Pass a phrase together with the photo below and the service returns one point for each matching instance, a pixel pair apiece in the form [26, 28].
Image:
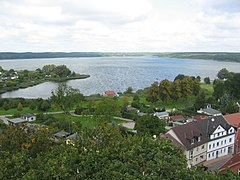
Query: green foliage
[207, 80]
[5, 106]
[223, 74]
[65, 97]
[107, 107]
[149, 124]
[129, 90]
[20, 107]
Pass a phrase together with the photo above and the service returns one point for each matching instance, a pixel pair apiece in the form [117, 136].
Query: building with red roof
[233, 164]
[110, 93]
[233, 119]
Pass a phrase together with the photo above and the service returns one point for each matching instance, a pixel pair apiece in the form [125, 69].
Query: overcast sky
[119, 25]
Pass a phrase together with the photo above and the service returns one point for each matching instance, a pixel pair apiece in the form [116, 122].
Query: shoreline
[34, 83]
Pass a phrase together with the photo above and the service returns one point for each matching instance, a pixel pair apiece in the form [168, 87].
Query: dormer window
[199, 138]
[192, 141]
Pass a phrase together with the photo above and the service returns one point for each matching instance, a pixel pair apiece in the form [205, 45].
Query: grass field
[86, 121]
[25, 110]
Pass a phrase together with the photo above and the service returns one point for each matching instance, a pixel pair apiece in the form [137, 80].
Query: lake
[115, 73]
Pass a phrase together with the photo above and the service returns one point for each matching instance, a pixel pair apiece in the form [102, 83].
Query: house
[162, 115]
[204, 140]
[61, 134]
[29, 117]
[70, 139]
[192, 140]
[233, 164]
[177, 118]
[209, 111]
[233, 119]
[16, 121]
[110, 94]
[130, 108]
[220, 134]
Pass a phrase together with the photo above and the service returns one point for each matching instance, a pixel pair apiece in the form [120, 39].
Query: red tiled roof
[233, 119]
[177, 117]
[235, 160]
[199, 117]
[110, 93]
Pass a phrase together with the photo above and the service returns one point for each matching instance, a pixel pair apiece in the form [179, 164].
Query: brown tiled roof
[173, 141]
[235, 160]
[110, 93]
[190, 131]
[233, 119]
[177, 117]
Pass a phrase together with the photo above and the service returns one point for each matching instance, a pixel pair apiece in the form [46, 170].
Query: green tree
[218, 88]
[5, 106]
[186, 86]
[165, 90]
[207, 80]
[66, 97]
[129, 90]
[176, 91]
[149, 124]
[153, 92]
[62, 71]
[200, 100]
[19, 107]
[107, 107]
[223, 74]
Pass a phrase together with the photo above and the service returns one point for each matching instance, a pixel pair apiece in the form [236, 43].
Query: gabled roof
[235, 160]
[16, 120]
[177, 117]
[188, 132]
[233, 119]
[210, 111]
[209, 125]
[164, 113]
[61, 134]
[28, 115]
[110, 93]
[173, 141]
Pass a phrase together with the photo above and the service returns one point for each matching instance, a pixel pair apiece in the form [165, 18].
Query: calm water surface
[115, 73]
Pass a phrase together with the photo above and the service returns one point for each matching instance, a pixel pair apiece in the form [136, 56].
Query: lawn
[208, 88]
[86, 121]
[25, 110]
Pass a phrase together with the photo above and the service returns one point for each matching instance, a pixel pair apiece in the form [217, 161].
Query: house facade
[205, 140]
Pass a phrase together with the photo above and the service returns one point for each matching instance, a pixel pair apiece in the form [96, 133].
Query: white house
[221, 136]
[162, 115]
[29, 117]
[205, 139]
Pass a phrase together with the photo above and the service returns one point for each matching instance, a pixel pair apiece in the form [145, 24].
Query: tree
[207, 80]
[233, 85]
[153, 92]
[62, 71]
[5, 106]
[200, 100]
[186, 86]
[223, 74]
[19, 107]
[107, 107]
[218, 88]
[165, 90]
[179, 77]
[65, 97]
[149, 124]
[176, 91]
[129, 90]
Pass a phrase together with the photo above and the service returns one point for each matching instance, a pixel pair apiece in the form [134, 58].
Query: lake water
[115, 73]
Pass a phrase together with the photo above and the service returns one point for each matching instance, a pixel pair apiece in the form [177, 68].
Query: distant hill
[220, 56]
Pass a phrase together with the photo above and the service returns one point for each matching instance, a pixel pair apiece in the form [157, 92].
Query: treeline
[181, 87]
[221, 56]
[31, 55]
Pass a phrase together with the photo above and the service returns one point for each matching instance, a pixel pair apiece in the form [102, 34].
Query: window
[225, 141]
[213, 145]
[197, 148]
[230, 131]
[196, 159]
[224, 149]
[221, 142]
[218, 134]
[217, 144]
[239, 171]
[201, 157]
[191, 154]
[202, 146]
[192, 141]
[199, 139]
[209, 155]
[209, 146]
[212, 154]
[230, 139]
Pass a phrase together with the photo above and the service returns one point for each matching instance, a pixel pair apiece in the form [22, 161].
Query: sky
[119, 25]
